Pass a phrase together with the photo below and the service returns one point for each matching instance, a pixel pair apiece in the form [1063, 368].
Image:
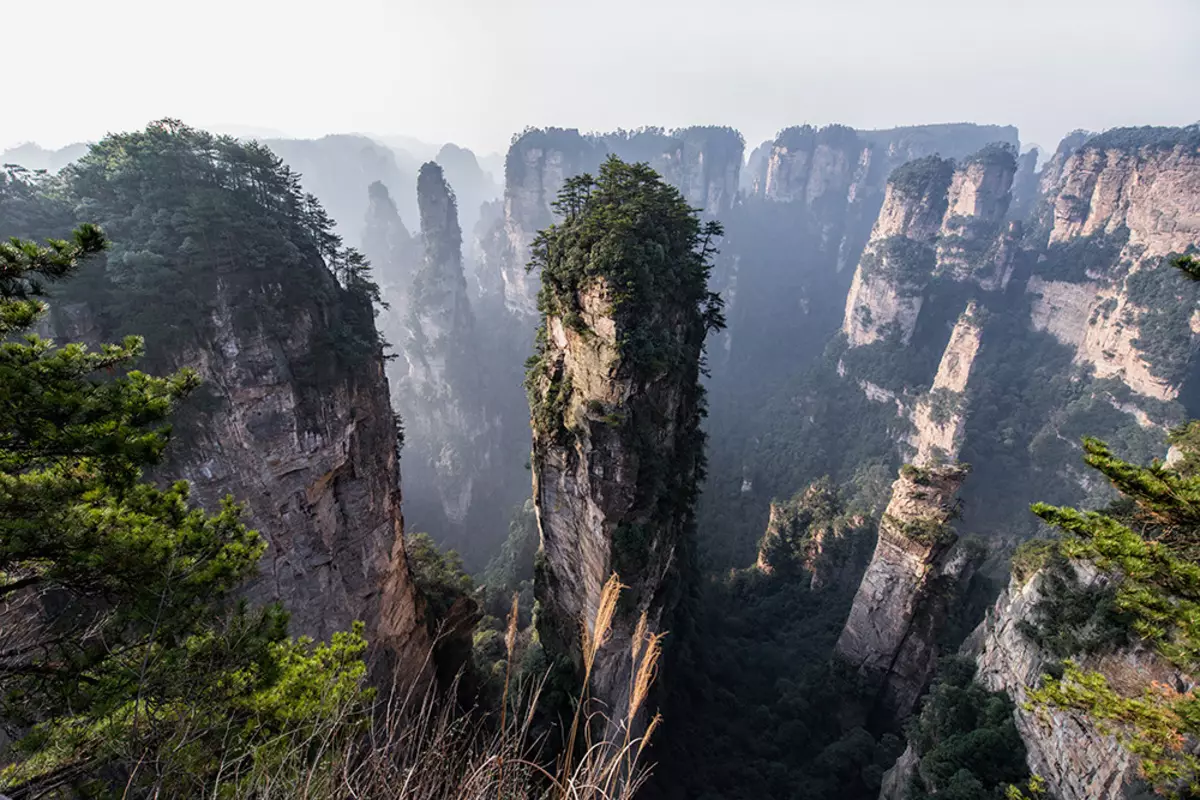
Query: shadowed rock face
[890, 636]
[316, 465]
[594, 491]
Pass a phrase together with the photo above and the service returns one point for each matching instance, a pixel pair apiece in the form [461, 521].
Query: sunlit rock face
[1122, 205]
[886, 294]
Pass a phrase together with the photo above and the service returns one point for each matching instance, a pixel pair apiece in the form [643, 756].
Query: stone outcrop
[537, 166]
[394, 255]
[1025, 186]
[616, 455]
[316, 466]
[1064, 747]
[703, 162]
[897, 781]
[938, 219]
[806, 164]
[939, 418]
[435, 381]
[595, 488]
[886, 294]
[811, 533]
[1124, 202]
[978, 200]
[472, 186]
[891, 634]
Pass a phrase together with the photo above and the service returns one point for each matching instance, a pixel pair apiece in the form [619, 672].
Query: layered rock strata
[890, 636]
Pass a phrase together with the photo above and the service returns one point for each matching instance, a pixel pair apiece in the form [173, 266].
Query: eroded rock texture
[1064, 747]
[887, 292]
[1122, 204]
[891, 633]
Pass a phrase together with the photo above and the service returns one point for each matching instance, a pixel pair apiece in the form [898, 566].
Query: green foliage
[188, 212]
[1072, 617]
[927, 177]
[902, 261]
[923, 530]
[759, 710]
[1170, 296]
[632, 237]
[813, 518]
[122, 655]
[1148, 547]
[966, 739]
[1030, 556]
[438, 575]
[1075, 258]
[1158, 138]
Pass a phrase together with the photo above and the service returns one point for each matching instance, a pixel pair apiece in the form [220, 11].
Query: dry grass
[404, 750]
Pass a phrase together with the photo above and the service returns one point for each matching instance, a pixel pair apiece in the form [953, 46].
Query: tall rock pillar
[616, 406]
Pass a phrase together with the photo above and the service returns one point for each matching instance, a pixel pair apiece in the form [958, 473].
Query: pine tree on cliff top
[122, 661]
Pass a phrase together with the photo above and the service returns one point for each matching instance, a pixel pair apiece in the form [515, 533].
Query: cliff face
[1124, 203]
[891, 633]
[293, 417]
[319, 473]
[594, 489]
[806, 165]
[938, 219]
[810, 534]
[536, 167]
[616, 404]
[939, 418]
[704, 163]
[394, 255]
[1064, 747]
[977, 202]
[886, 294]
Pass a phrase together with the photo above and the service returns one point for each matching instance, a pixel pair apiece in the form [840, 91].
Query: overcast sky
[475, 71]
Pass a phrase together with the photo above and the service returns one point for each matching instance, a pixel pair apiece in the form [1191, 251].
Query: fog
[476, 71]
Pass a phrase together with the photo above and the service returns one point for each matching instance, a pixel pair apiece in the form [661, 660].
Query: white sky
[475, 71]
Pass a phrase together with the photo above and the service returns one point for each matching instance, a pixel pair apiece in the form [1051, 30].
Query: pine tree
[122, 653]
[1148, 542]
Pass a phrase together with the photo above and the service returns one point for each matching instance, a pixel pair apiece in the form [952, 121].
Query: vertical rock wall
[890, 636]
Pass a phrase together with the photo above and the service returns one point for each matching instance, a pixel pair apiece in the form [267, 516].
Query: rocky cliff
[537, 165]
[977, 202]
[1063, 747]
[1122, 204]
[811, 535]
[939, 418]
[891, 634]
[703, 162]
[887, 291]
[939, 219]
[616, 403]
[293, 417]
[318, 470]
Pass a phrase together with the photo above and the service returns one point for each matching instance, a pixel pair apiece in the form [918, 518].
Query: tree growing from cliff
[1149, 544]
[121, 657]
